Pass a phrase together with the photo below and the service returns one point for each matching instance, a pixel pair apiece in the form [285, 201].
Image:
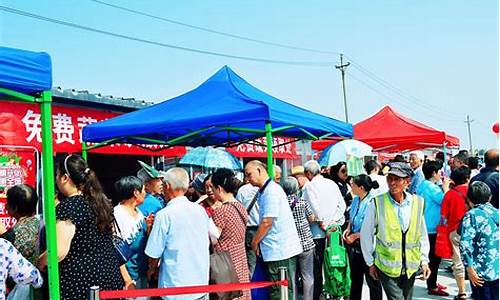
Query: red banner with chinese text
[284, 149]
[20, 124]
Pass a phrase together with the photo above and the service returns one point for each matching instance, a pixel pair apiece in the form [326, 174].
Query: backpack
[336, 266]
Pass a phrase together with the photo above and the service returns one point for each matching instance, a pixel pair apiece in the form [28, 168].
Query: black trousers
[434, 262]
[319, 254]
[359, 270]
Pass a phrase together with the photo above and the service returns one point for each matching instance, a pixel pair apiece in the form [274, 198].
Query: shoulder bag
[122, 248]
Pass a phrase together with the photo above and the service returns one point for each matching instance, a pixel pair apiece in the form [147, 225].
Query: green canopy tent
[225, 111]
[27, 76]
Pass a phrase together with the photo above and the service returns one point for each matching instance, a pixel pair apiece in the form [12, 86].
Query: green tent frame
[49, 209]
[178, 141]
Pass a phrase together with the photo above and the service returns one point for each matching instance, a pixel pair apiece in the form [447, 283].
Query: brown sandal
[460, 297]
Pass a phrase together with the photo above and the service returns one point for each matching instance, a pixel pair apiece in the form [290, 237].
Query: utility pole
[468, 121]
[342, 68]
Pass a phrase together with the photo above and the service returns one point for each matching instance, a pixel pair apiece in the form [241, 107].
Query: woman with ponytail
[361, 187]
[231, 219]
[84, 232]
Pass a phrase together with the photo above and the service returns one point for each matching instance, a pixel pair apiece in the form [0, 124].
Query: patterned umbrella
[350, 151]
[209, 157]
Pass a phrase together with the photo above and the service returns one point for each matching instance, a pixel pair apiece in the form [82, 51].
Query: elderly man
[328, 206]
[277, 174]
[179, 238]
[489, 174]
[151, 178]
[416, 162]
[460, 159]
[276, 238]
[394, 237]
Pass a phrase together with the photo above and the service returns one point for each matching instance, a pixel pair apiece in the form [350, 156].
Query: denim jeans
[305, 263]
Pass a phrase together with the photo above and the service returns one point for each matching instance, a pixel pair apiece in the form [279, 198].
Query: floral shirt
[479, 241]
[24, 236]
[15, 266]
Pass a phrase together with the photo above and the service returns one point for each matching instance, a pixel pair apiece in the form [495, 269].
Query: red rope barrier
[198, 289]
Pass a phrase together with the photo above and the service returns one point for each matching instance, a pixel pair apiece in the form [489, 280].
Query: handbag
[336, 267]
[443, 246]
[222, 271]
[122, 248]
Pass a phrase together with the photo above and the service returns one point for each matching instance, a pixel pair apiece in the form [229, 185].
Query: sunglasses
[343, 171]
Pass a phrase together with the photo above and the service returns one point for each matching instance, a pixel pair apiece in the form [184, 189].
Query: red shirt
[454, 206]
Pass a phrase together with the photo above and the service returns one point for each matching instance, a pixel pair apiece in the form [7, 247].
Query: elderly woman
[479, 242]
[132, 226]
[302, 215]
[22, 200]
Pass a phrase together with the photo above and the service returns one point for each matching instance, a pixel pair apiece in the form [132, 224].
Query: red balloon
[495, 127]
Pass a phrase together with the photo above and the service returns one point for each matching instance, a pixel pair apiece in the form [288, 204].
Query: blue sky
[441, 54]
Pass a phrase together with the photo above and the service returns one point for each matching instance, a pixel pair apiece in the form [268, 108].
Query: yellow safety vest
[389, 238]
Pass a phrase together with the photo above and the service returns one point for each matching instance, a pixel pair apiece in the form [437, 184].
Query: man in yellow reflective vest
[394, 238]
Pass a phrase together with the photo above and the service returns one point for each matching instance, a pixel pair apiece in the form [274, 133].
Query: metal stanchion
[283, 289]
[94, 293]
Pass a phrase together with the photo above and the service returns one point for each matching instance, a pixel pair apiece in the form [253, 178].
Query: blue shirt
[282, 240]
[479, 241]
[151, 205]
[416, 180]
[357, 212]
[433, 197]
[180, 238]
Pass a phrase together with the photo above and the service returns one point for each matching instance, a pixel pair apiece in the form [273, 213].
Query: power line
[236, 36]
[136, 39]
[403, 104]
[414, 100]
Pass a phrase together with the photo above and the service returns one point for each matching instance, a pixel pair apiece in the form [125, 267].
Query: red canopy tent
[389, 131]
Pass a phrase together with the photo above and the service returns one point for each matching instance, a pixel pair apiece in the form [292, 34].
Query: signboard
[17, 166]
[20, 124]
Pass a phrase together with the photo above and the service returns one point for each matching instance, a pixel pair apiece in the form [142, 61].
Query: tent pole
[48, 194]
[445, 163]
[84, 150]
[269, 144]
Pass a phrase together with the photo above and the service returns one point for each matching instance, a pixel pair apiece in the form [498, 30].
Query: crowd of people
[171, 224]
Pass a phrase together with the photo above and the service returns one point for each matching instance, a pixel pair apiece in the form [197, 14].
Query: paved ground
[420, 289]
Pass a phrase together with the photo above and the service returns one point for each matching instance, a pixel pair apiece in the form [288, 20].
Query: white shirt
[129, 227]
[180, 237]
[245, 195]
[382, 185]
[326, 202]
[282, 240]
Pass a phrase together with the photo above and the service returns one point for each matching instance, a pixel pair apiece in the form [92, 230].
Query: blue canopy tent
[224, 110]
[27, 76]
